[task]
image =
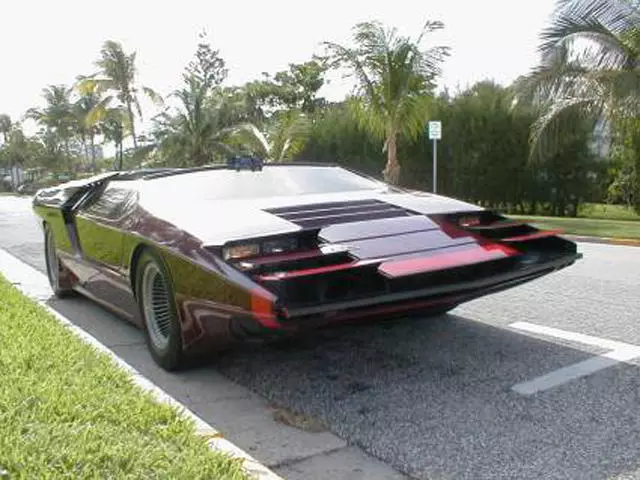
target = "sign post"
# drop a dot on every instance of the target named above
(435, 134)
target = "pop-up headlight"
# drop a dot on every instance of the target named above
(243, 250)
(279, 245)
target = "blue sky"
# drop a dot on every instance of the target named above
(45, 42)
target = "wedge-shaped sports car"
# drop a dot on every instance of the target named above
(201, 258)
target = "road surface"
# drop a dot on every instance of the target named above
(541, 381)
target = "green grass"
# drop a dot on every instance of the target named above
(67, 411)
(608, 212)
(586, 226)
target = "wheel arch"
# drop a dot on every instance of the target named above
(133, 265)
(136, 253)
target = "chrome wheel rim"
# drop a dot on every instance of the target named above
(156, 306)
(52, 261)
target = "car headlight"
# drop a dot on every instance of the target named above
(271, 246)
(241, 251)
(279, 245)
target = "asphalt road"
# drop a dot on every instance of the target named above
(433, 398)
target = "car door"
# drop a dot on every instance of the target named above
(101, 225)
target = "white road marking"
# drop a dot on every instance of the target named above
(619, 352)
(35, 285)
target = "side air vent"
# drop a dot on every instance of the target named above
(320, 215)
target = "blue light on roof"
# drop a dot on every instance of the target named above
(245, 163)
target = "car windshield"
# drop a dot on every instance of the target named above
(272, 181)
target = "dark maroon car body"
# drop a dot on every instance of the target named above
(314, 243)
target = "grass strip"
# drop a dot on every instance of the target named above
(586, 226)
(67, 411)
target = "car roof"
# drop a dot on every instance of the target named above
(152, 173)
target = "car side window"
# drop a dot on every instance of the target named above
(110, 204)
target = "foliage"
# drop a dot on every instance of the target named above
(88, 102)
(194, 133)
(625, 163)
(524, 148)
(56, 118)
(395, 82)
(337, 137)
(293, 89)
(117, 76)
(590, 67)
(283, 138)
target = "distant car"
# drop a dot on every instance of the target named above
(203, 257)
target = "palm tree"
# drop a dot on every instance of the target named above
(590, 68)
(57, 115)
(5, 127)
(283, 138)
(114, 126)
(395, 83)
(87, 110)
(118, 75)
(197, 131)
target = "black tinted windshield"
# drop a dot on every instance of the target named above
(272, 181)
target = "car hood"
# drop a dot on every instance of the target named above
(216, 222)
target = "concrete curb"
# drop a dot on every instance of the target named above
(629, 242)
(35, 285)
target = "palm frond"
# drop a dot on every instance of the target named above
(154, 96)
(552, 123)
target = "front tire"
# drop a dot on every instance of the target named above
(155, 298)
(58, 276)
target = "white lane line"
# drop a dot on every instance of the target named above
(35, 285)
(619, 352)
(570, 336)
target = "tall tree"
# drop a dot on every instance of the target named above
(57, 115)
(117, 75)
(84, 110)
(294, 88)
(590, 66)
(395, 77)
(196, 131)
(114, 126)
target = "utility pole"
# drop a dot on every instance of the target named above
(435, 134)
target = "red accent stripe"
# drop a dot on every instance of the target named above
(532, 236)
(446, 260)
(316, 271)
(498, 225)
(262, 309)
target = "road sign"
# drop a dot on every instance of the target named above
(435, 134)
(435, 130)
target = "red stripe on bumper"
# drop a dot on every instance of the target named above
(316, 271)
(446, 260)
(532, 236)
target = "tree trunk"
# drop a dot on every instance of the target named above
(92, 140)
(133, 127)
(86, 148)
(121, 155)
(391, 172)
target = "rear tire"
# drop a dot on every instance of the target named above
(154, 294)
(57, 275)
